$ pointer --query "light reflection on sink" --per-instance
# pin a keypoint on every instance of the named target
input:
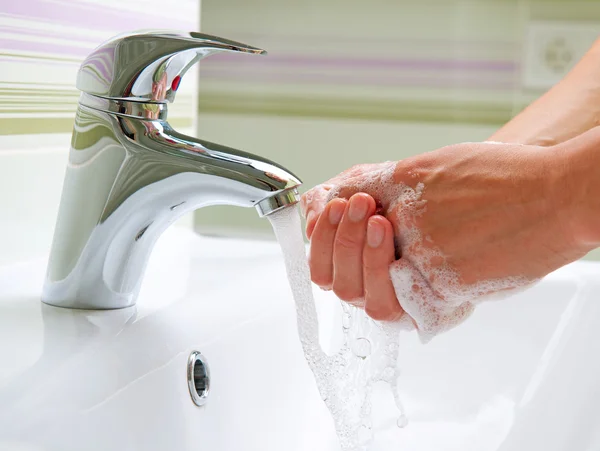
(521, 374)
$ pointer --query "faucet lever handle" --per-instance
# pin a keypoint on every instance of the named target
(148, 66)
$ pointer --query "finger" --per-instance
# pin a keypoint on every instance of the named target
(318, 202)
(380, 298)
(312, 204)
(311, 221)
(321, 248)
(348, 248)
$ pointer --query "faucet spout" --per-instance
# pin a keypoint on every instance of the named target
(129, 176)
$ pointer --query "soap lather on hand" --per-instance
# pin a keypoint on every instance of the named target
(470, 221)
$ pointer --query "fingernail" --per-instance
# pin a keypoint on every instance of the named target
(375, 233)
(358, 208)
(336, 211)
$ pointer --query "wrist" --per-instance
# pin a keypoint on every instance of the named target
(578, 189)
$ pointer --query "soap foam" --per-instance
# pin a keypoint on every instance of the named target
(427, 287)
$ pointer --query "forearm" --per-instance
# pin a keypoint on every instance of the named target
(567, 110)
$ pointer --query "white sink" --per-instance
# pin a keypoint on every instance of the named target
(521, 374)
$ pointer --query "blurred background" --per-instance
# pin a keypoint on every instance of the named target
(349, 81)
(344, 82)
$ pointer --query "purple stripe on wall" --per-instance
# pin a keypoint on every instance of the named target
(92, 16)
(43, 47)
(375, 63)
(443, 81)
(49, 33)
(37, 62)
(448, 43)
(308, 62)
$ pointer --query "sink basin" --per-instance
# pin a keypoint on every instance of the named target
(520, 374)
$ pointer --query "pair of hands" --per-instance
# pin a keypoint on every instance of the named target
(466, 220)
(451, 226)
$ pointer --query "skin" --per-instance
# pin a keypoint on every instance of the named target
(489, 211)
(569, 109)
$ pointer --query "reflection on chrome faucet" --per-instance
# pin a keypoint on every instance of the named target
(130, 175)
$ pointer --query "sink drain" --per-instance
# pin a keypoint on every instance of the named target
(198, 377)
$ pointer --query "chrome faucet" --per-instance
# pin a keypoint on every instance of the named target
(130, 175)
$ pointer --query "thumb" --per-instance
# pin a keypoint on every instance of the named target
(430, 313)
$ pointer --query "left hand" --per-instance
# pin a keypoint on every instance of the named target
(470, 219)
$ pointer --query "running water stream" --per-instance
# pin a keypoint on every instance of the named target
(368, 355)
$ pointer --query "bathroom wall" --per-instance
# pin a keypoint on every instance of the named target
(348, 81)
(42, 43)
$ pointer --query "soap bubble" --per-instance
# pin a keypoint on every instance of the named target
(362, 348)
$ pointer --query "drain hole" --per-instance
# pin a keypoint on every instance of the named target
(198, 378)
